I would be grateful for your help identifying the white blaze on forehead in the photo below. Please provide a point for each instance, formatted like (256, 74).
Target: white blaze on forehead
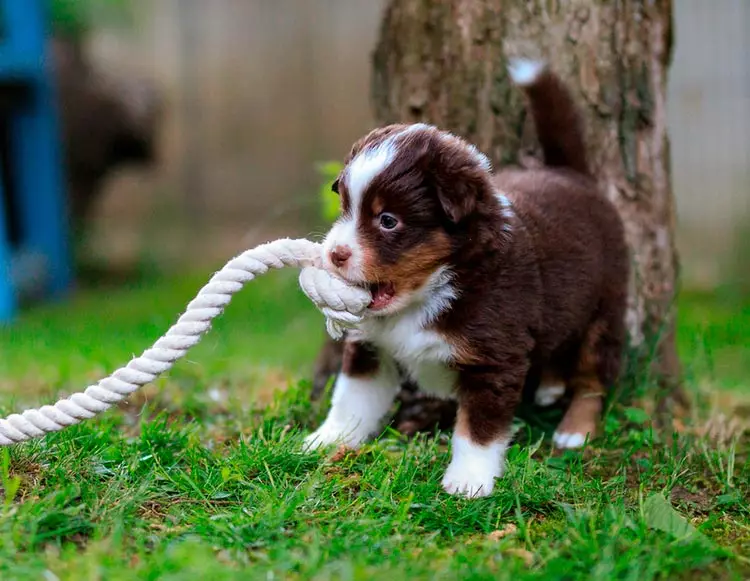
(359, 174)
(373, 160)
(364, 167)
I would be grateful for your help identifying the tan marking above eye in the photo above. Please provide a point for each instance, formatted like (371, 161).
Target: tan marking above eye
(377, 206)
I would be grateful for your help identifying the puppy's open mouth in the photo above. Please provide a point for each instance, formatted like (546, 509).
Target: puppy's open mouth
(383, 294)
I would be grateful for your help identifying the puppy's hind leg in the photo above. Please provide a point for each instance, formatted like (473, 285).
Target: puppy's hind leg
(597, 368)
(550, 390)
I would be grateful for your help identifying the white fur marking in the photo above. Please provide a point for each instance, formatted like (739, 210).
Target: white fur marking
(402, 332)
(568, 441)
(525, 72)
(360, 172)
(434, 378)
(357, 408)
(481, 159)
(344, 232)
(506, 208)
(372, 161)
(546, 395)
(365, 166)
(404, 335)
(473, 468)
(504, 200)
(411, 129)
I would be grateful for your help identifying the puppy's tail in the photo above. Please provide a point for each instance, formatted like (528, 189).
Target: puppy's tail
(558, 124)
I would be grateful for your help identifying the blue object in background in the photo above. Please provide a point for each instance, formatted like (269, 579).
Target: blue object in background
(7, 293)
(35, 163)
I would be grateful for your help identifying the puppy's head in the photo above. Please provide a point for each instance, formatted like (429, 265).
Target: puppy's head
(406, 192)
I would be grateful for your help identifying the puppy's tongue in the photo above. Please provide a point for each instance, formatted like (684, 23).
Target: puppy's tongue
(382, 295)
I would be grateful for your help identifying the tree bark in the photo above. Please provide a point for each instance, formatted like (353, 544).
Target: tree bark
(444, 62)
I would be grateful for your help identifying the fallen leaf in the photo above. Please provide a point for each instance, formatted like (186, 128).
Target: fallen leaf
(508, 529)
(660, 515)
(341, 452)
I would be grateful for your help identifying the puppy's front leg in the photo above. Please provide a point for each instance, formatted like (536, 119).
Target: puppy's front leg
(487, 402)
(362, 395)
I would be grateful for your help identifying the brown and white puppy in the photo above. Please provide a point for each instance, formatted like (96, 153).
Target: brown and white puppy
(483, 284)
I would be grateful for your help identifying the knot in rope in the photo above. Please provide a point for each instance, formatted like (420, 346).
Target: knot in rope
(343, 305)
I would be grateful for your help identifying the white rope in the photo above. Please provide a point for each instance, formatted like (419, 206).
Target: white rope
(342, 304)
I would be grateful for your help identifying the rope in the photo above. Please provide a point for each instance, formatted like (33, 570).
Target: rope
(342, 304)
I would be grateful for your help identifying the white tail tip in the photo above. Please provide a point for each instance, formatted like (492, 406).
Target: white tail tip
(525, 72)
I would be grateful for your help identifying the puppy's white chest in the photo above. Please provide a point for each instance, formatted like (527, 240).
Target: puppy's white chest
(423, 353)
(406, 339)
(434, 378)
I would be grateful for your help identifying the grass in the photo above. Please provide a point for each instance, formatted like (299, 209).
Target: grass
(201, 476)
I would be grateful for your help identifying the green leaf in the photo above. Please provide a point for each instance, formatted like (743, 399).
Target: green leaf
(330, 201)
(729, 499)
(660, 515)
(10, 484)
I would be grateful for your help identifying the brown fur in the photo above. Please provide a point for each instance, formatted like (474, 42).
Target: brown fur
(360, 360)
(558, 125)
(414, 267)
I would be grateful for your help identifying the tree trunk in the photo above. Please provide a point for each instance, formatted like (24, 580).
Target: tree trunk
(444, 62)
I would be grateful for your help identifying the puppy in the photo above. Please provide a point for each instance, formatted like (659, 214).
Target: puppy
(483, 284)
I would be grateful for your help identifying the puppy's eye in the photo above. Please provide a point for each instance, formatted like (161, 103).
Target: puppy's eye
(335, 186)
(388, 221)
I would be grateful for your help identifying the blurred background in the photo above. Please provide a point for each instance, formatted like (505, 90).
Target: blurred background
(256, 93)
(235, 102)
(194, 129)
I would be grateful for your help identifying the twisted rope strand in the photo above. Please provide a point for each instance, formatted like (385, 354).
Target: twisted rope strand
(342, 304)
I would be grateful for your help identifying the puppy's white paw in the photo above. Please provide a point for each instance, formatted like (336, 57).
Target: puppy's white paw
(473, 467)
(564, 440)
(329, 435)
(472, 484)
(546, 395)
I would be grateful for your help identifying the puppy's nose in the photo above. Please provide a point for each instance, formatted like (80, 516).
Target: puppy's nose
(339, 255)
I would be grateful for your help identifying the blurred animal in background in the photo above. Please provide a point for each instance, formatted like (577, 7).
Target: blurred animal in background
(109, 121)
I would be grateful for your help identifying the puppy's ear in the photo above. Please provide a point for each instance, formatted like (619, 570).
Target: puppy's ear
(462, 178)
(458, 199)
